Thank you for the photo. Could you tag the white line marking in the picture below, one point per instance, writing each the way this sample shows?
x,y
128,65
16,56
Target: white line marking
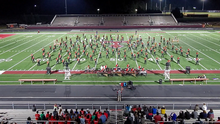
x,y
133,52
3,41
199,51
202,45
80,57
25,49
11,43
206,40
99,54
173,58
152,55
28,56
21,44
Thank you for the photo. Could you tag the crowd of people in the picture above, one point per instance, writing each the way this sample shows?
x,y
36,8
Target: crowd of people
x,y
60,116
139,115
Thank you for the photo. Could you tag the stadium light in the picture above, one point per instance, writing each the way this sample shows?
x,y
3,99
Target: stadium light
x,y
203,4
136,10
160,4
98,10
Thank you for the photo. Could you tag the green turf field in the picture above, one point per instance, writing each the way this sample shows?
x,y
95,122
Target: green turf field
x,y
16,50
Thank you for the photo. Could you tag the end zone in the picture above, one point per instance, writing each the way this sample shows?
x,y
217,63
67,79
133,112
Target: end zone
x,y
2,36
1,72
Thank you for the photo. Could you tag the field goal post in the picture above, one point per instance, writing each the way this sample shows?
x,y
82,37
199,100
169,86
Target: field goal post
x,y
167,72
67,73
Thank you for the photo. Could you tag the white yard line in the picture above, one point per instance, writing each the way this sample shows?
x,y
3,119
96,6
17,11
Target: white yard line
x,y
56,63
99,54
28,56
195,61
12,43
152,56
36,63
10,39
21,44
198,50
25,49
202,44
133,52
173,58
205,39
80,57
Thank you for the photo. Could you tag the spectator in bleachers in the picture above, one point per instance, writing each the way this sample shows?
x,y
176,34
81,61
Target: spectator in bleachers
x,y
196,108
47,115
29,120
139,108
42,116
159,110
157,118
88,119
150,110
218,120
128,121
55,106
77,119
61,119
187,115
106,115
76,112
154,111
106,110
55,113
66,112
127,107
60,107
210,114
165,118
96,120
82,120
34,108
194,114
136,119
71,111
37,116
204,107
60,113
181,115
94,115
103,118
82,112
173,116
203,115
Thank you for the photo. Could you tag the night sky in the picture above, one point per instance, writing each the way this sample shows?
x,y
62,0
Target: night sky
x,y
51,7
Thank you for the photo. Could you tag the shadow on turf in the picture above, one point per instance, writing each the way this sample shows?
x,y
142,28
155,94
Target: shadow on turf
x,y
156,73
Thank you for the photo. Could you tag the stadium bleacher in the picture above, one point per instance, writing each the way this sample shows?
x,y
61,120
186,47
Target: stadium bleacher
x,y
65,21
139,20
163,20
113,20
116,115
89,21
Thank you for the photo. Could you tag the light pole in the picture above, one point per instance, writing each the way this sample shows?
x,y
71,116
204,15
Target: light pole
x,y
136,10
160,4
203,4
65,7
98,10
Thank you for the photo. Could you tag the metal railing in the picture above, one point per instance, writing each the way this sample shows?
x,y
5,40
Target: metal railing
x,y
118,106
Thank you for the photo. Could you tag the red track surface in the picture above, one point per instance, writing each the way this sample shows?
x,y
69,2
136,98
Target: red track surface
x,y
149,72
5,35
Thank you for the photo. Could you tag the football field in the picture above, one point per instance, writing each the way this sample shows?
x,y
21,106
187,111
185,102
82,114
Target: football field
x,y
16,50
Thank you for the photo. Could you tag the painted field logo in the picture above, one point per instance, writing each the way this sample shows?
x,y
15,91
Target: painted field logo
x,y
116,45
5,60
193,59
159,59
